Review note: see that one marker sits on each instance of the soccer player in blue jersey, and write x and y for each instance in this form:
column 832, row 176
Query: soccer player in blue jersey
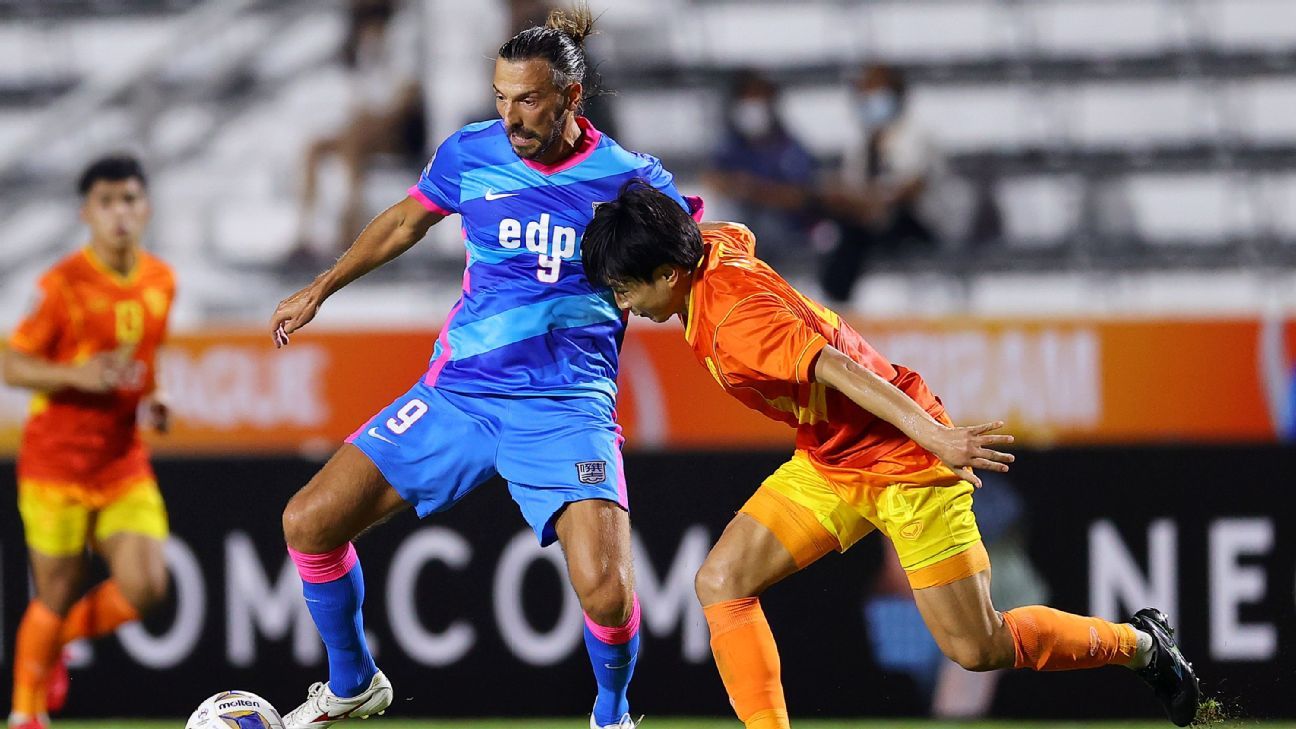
column 522, row 379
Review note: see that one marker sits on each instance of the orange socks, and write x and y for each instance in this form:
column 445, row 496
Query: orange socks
column 1051, row 640
column 42, row 634
column 98, row 613
column 35, row 652
column 748, row 660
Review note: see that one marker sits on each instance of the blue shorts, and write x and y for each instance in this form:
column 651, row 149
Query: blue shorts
column 434, row 447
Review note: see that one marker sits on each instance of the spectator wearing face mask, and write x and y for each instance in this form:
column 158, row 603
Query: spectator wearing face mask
column 886, row 199
column 761, row 169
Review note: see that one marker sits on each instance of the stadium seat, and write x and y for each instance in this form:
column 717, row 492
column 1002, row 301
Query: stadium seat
column 26, row 231
column 634, row 32
column 22, row 57
column 180, row 226
column 682, row 123
column 976, row 117
column 1105, row 28
column 184, row 198
column 15, row 122
column 1201, row 209
column 1040, row 209
column 1279, row 196
column 307, row 43
column 820, row 117
column 944, row 31
column 108, row 129
column 103, row 45
column 729, row 28
column 1242, row 25
column 1264, row 110
column 182, row 128
column 1141, row 114
column 221, row 52
column 253, row 231
column 309, row 105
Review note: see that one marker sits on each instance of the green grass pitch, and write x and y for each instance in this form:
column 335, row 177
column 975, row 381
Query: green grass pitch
column 677, row 723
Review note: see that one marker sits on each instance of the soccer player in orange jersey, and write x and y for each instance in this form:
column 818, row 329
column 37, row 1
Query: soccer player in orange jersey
column 874, row 450
column 84, row 480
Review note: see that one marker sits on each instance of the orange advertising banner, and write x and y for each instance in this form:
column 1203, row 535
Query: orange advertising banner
column 1054, row 381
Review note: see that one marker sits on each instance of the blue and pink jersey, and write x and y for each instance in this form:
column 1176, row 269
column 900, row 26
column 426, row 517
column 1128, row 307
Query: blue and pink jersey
column 529, row 323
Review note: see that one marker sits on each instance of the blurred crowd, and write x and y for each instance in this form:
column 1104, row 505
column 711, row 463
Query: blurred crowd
column 882, row 201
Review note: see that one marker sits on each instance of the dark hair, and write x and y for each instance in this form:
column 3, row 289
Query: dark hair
column 749, row 81
column 113, row 168
column 561, row 42
column 640, row 230
column 890, row 76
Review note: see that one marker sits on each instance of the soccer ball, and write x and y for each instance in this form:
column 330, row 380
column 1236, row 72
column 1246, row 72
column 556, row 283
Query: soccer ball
column 235, row 710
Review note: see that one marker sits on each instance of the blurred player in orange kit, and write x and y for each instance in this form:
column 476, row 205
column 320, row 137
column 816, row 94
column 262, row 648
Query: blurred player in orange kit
column 87, row 351
column 874, row 450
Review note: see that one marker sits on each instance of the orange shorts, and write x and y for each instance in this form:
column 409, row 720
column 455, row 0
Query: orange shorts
column 59, row 518
column 932, row 528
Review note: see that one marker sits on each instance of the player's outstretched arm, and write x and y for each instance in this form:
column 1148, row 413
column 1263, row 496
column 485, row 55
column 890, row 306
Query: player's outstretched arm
column 101, row 373
column 393, row 232
column 961, row 448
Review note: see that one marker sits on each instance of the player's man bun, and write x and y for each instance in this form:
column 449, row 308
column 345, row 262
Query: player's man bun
column 576, row 22
column 560, row 41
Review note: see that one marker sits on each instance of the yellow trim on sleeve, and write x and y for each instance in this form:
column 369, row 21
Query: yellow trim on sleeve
column 803, row 373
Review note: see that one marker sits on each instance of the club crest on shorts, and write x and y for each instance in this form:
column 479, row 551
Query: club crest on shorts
column 591, row 471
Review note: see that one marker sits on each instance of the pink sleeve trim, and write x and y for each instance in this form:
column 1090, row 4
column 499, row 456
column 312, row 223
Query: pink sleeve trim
column 428, row 203
column 696, row 206
column 616, row 636
column 317, row 568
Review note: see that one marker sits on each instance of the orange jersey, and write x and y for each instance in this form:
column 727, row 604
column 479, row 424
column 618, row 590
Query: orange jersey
column 83, row 309
column 759, row 338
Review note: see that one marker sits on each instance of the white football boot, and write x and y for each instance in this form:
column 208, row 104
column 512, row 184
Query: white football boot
column 23, row 721
column 625, row 722
column 323, row 709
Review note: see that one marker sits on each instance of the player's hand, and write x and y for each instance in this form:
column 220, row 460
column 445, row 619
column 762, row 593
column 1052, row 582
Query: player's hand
column 130, row 371
column 158, row 412
column 293, row 313
column 101, row 373
column 964, row 448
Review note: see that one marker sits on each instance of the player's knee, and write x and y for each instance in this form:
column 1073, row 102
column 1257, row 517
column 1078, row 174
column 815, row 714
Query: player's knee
column 58, row 596
column 293, row 527
column 610, row 607
column 715, row 582
column 607, row 599
column 979, row 656
column 607, row 596
column 300, row 529
column 147, row 591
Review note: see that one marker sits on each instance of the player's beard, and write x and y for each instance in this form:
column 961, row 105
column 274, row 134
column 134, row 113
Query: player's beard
column 546, row 143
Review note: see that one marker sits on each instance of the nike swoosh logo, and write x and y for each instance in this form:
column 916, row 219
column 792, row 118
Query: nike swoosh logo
column 499, row 195
column 327, row 718
column 373, row 433
column 611, row 667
